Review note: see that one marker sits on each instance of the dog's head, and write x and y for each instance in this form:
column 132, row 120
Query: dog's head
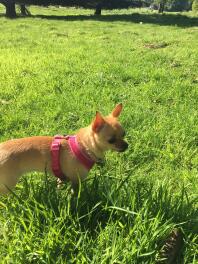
column 108, row 132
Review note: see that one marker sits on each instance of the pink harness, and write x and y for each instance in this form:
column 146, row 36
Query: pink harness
column 83, row 157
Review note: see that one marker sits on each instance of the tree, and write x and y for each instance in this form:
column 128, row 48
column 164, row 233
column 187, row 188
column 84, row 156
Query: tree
column 172, row 5
column 24, row 10
column 93, row 4
column 98, row 5
column 10, row 8
column 161, row 5
column 178, row 5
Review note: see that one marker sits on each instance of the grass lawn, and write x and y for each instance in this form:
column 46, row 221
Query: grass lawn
column 56, row 69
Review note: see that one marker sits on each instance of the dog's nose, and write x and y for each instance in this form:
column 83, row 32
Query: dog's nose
column 124, row 147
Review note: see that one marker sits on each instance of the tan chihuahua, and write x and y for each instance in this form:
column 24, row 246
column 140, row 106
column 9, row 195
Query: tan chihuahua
column 19, row 156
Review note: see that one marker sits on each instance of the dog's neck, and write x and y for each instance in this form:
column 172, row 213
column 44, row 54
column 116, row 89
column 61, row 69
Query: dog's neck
column 88, row 143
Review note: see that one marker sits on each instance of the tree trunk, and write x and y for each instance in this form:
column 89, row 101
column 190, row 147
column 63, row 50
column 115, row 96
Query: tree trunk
column 24, row 10
column 98, row 9
column 10, row 9
column 161, row 7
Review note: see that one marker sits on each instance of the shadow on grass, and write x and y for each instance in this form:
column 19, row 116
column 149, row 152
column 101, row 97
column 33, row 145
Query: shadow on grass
column 101, row 199
column 162, row 20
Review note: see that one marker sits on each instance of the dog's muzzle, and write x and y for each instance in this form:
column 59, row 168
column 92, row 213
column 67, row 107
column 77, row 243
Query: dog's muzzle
column 123, row 147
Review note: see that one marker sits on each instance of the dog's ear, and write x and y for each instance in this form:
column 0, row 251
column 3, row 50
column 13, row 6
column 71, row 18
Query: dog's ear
column 98, row 122
column 117, row 110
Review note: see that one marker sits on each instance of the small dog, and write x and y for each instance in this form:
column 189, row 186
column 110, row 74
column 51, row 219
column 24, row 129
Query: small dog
column 68, row 157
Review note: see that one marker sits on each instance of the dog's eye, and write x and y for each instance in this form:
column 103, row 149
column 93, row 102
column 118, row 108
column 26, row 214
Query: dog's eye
column 112, row 140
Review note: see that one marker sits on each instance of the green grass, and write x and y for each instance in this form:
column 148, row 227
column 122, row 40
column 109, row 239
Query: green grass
column 55, row 72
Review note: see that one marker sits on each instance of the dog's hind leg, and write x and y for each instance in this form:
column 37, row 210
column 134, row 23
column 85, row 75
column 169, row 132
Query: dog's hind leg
column 8, row 178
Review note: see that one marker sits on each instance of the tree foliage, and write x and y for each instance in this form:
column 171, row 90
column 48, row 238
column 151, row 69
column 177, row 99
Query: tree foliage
column 109, row 4
column 195, row 6
column 174, row 5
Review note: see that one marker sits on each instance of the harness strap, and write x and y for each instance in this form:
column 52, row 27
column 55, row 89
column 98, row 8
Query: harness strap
column 86, row 160
column 83, row 157
column 55, row 155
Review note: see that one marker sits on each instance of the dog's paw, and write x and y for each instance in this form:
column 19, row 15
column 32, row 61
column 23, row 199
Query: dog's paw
column 60, row 183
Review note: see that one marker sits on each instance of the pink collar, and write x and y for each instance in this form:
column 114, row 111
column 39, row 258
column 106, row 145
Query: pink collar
column 83, row 157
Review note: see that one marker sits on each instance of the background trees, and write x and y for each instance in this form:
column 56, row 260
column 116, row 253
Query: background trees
column 98, row 5
column 172, row 5
column 179, row 5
